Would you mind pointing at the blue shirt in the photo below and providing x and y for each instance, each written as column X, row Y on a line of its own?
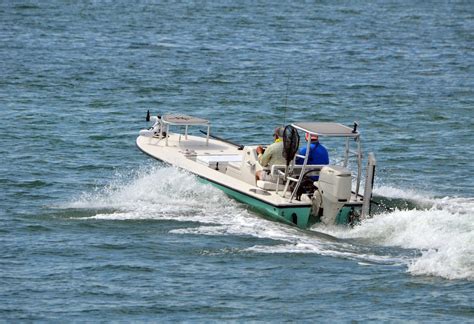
column 317, row 154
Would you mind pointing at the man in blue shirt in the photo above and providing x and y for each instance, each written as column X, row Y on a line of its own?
column 317, row 153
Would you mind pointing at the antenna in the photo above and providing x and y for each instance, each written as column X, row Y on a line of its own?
column 286, row 99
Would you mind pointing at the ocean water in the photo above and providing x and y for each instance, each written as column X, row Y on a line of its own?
column 93, row 230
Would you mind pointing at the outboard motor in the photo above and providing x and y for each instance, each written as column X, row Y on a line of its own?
column 334, row 191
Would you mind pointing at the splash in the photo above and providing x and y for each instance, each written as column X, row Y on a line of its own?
column 407, row 194
column 157, row 193
column 166, row 193
column 438, row 238
column 443, row 235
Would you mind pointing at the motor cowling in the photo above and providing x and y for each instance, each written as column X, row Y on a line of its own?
column 334, row 187
column 335, row 183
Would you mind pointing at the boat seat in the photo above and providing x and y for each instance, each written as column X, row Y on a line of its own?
column 279, row 169
column 269, row 185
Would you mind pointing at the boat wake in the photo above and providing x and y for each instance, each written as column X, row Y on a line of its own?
column 442, row 232
column 436, row 234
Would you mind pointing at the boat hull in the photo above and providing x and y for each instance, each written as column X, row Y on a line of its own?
column 296, row 214
column 299, row 216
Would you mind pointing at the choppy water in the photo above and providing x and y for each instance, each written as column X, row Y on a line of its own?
column 91, row 229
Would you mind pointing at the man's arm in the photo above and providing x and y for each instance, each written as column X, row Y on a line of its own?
column 265, row 157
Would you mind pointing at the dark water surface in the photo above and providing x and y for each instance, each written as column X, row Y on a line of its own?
column 91, row 229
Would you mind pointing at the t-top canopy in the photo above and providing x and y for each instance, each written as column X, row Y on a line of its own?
column 326, row 129
column 179, row 119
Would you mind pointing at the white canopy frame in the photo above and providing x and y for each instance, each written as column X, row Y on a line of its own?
column 186, row 121
column 330, row 130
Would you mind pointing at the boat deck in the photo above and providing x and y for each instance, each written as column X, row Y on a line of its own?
column 218, row 162
column 211, row 162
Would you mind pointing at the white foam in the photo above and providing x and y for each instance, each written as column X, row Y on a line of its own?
column 393, row 192
column 158, row 193
column 338, row 249
column 421, row 198
column 170, row 194
column 442, row 234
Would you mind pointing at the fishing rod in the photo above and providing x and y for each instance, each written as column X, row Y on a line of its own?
column 240, row 146
column 286, row 99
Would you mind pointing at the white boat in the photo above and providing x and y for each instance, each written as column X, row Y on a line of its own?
column 291, row 197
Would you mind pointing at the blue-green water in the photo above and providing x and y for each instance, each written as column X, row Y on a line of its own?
column 93, row 230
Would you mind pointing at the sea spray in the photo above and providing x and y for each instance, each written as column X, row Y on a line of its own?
column 439, row 237
column 443, row 234
column 166, row 193
column 154, row 193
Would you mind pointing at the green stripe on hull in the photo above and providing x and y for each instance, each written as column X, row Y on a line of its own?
column 299, row 216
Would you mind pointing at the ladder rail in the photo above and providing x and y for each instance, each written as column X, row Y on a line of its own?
column 303, row 167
